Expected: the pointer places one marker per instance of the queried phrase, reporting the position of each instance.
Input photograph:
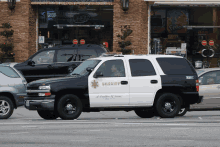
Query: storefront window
(181, 30)
(60, 25)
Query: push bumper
(40, 103)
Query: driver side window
(44, 57)
(210, 78)
(112, 68)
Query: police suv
(150, 85)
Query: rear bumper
(40, 103)
(192, 98)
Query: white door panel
(110, 91)
(142, 91)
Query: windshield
(199, 71)
(81, 69)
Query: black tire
(172, 103)
(143, 113)
(71, 102)
(46, 114)
(183, 111)
(6, 107)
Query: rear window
(175, 66)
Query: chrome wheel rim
(169, 106)
(69, 107)
(4, 107)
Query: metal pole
(155, 47)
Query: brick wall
(19, 18)
(137, 18)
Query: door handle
(153, 81)
(124, 82)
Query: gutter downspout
(149, 32)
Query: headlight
(44, 87)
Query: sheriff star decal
(95, 84)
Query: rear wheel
(183, 111)
(6, 107)
(69, 107)
(143, 113)
(168, 105)
(46, 114)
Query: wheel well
(168, 90)
(9, 95)
(79, 94)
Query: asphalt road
(103, 129)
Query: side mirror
(89, 69)
(31, 63)
(98, 74)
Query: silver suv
(12, 89)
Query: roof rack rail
(115, 54)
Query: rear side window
(8, 71)
(100, 51)
(86, 54)
(141, 67)
(175, 66)
(66, 55)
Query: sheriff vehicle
(148, 84)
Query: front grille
(32, 94)
(32, 88)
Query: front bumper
(40, 103)
(19, 98)
(192, 97)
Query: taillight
(197, 85)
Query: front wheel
(69, 107)
(143, 113)
(6, 107)
(168, 105)
(46, 114)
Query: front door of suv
(111, 89)
(41, 68)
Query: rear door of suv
(144, 81)
(66, 61)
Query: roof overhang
(184, 2)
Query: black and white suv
(148, 84)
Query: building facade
(60, 22)
(157, 25)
